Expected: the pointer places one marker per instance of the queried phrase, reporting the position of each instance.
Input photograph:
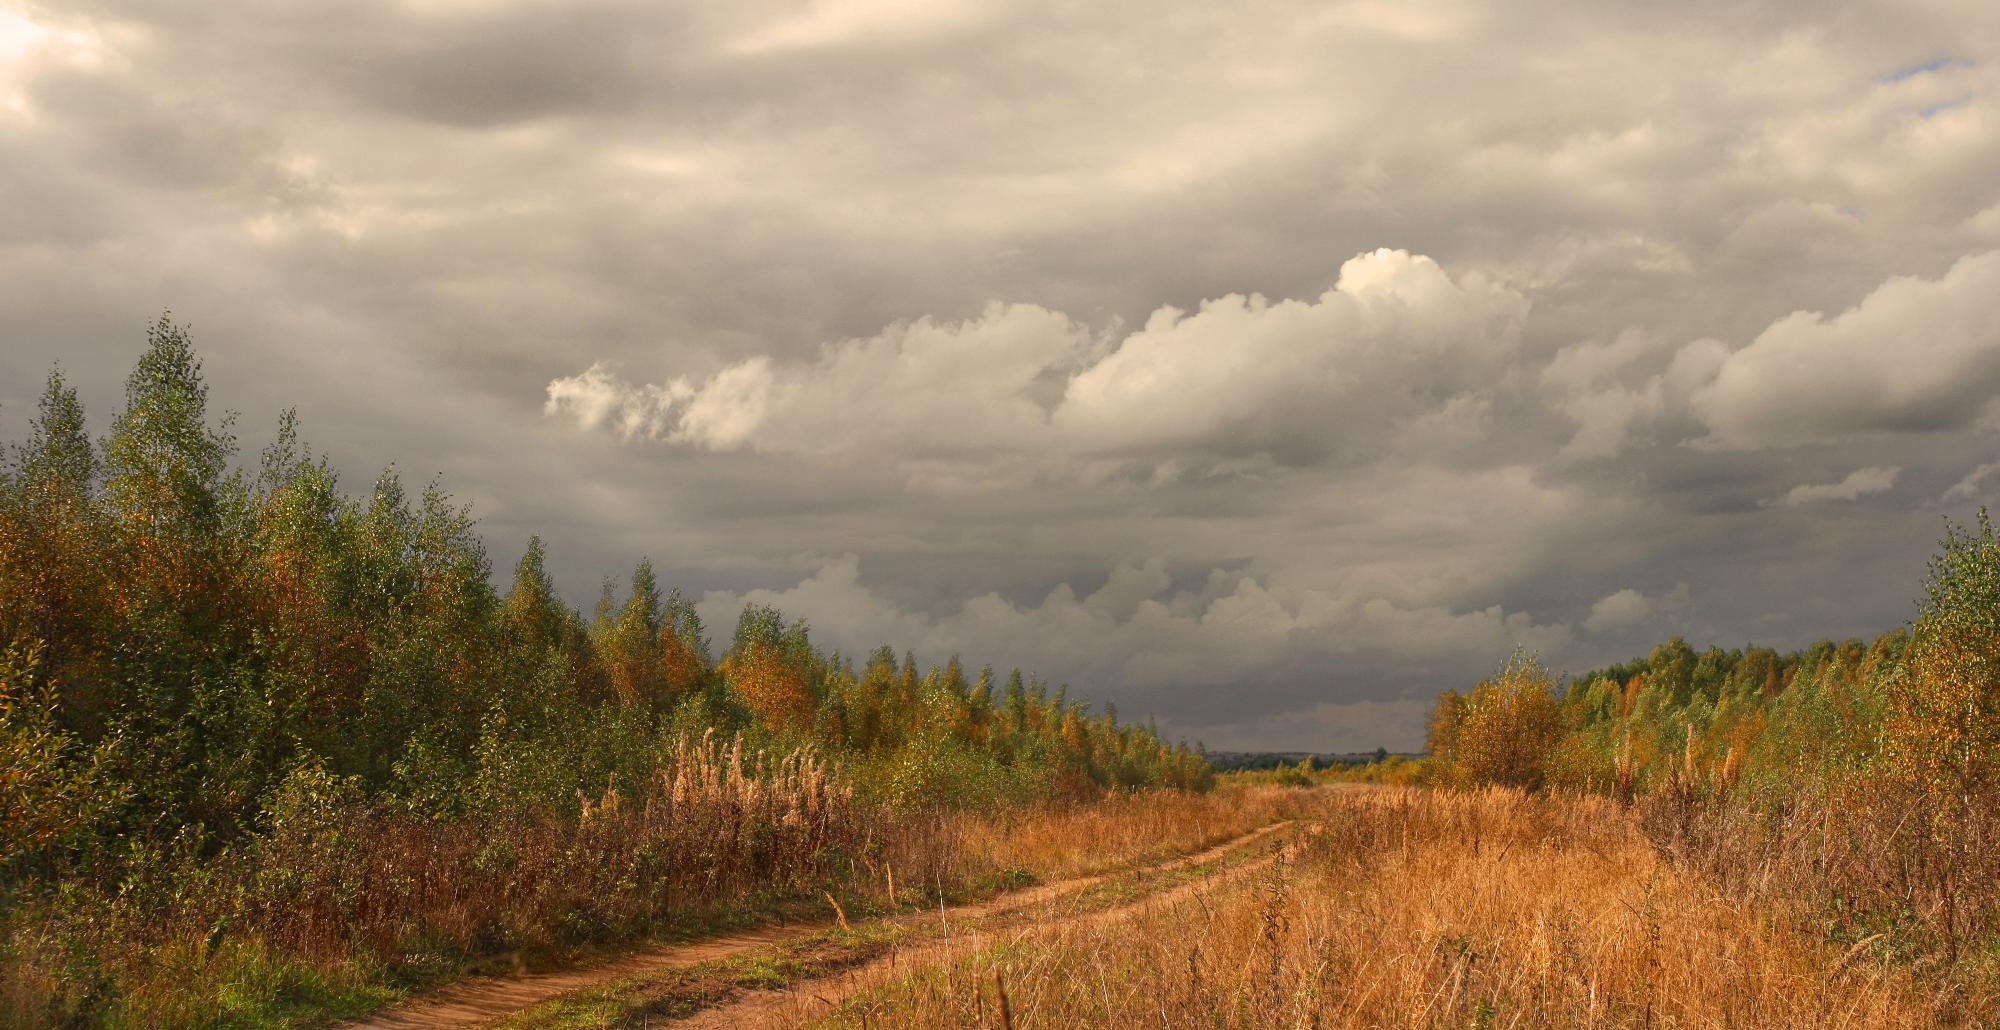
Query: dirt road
(802, 1001)
(480, 1001)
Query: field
(1332, 906)
(1399, 908)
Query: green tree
(638, 669)
(1943, 726)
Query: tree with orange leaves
(770, 667)
(683, 647)
(55, 574)
(46, 792)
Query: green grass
(674, 993)
(243, 985)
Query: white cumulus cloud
(919, 388)
(1396, 339)
(1915, 354)
(1616, 611)
(597, 398)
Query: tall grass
(1868, 859)
(1053, 842)
(1427, 909)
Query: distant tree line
(1918, 705)
(1262, 761)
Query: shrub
(1504, 730)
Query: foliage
(1300, 775)
(1868, 772)
(1942, 732)
(1502, 731)
(232, 675)
(46, 794)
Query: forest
(237, 700)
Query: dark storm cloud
(1264, 366)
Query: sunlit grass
(1430, 910)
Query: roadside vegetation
(1860, 780)
(271, 751)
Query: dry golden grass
(955, 854)
(1077, 840)
(1411, 909)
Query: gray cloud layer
(1265, 366)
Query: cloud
(1617, 611)
(1606, 419)
(1969, 487)
(1607, 393)
(1629, 609)
(1915, 355)
(1324, 726)
(1581, 366)
(923, 388)
(826, 24)
(1395, 339)
(598, 398)
(1874, 479)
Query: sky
(1260, 367)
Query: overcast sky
(1261, 366)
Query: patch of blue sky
(1935, 64)
(1940, 108)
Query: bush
(1502, 732)
(1300, 775)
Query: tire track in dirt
(478, 1001)
(799, 1002)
